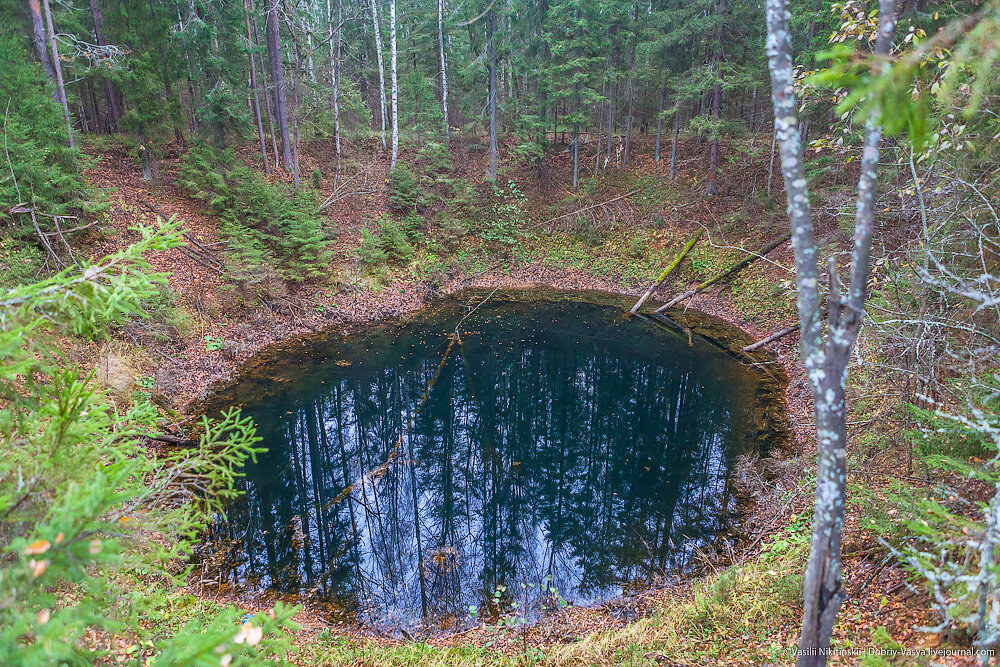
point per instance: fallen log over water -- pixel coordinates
(667, 271)
(728, 273)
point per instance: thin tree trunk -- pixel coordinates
(673, 145)
(395, 85)
(381, 67)
(268, 97)
(114, 97)
(770, 166)
(825, 357)
(713, 153)
(492, 65)
(58, 70)
(444, 72)
(659, 125)
(273, 33)
(336, 74)
(253, 88)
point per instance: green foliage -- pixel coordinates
(390, 242)
(265, 225)
(81, 498)
(505, 226)
(402, 189)
(40, 177)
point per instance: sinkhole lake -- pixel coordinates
(554, 445)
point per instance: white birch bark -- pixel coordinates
(444, 72)
(395, 86)
(825, 357)
(381, 66)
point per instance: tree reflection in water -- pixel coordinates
(559, 440)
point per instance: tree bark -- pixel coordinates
(381, 66)
(57, 68)
(491, 60)
(395, 85)
(41, 43)
(253, 88)
(659, 125)
(115, 105)
(825, 357)
(273, 34)
(673, 145)
(444, 72)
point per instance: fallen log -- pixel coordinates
(728, 273)
(770, 339)
(667, 271)
(581, 210)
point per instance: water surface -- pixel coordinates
(552, 445)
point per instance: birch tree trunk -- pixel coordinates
(444, 72)
(395, 86)
(336, 71)
(272, 30)
(57, 68)
(825, 355)
(491, 63)
(381, 66)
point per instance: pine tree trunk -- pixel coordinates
(58, 70)
(659, 125)
(253, 88)
(395, 85)
(273, 33)
(381, 67)
(115, 106)
(444, 72)
(673, 145)
(492, 65)
(268, 97)
(41, 43)
(713, 153)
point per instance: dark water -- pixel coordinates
(556, 445)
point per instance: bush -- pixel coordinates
(402, 189)
(81, 498)
(390, 242)
(40, 171)
(265, 225)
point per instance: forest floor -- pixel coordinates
(743, 609)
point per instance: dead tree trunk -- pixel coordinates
(825, 355)
(667, 271)
(57, 68)
(723, 275)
